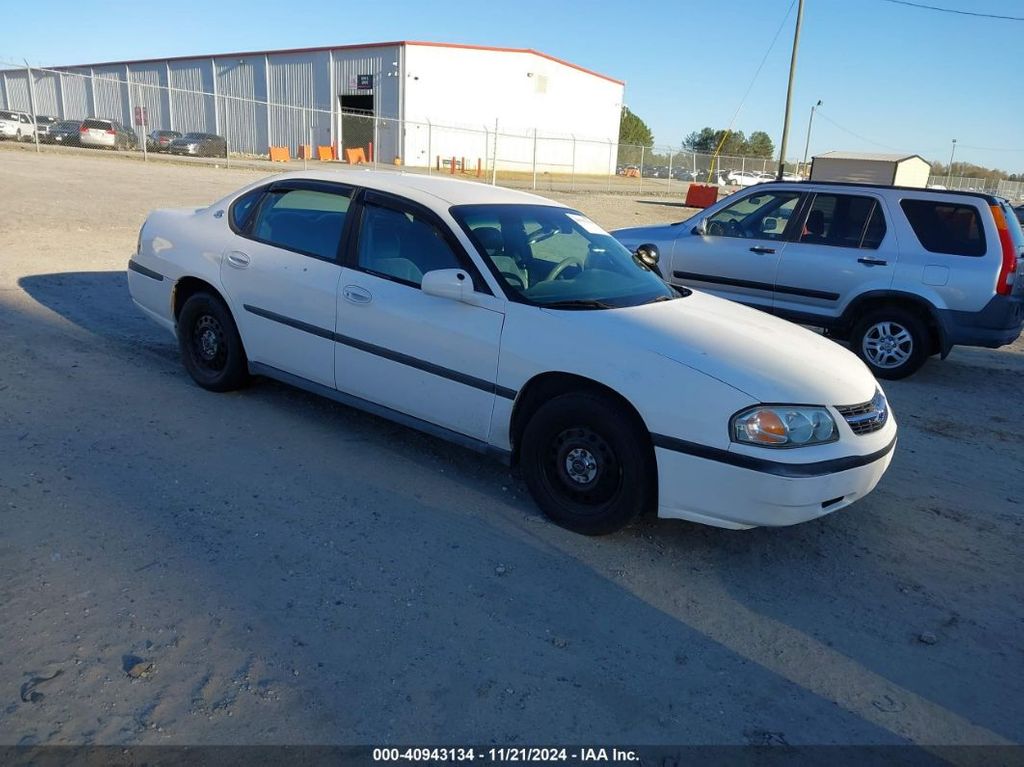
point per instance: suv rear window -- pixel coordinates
(946, 227)
(98, 124)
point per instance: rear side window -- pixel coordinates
(304, 220)
(946, 227)
(844, 221)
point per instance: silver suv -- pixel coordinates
(900, 273)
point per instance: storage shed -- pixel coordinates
(869, 168)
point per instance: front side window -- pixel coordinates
(762, 216)
(552, 256)
(946, 227)
(844, 221)
(307, 221)
(402, 245)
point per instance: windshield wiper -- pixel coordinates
(577, 303)
(661, 298)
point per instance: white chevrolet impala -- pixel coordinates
(514, 325)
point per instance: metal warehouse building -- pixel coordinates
(414, 101)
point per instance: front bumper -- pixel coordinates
(712, 492)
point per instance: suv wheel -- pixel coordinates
(893, 342)
(587, 464)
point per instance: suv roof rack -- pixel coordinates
(990, 198)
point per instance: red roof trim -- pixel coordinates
(395, 43)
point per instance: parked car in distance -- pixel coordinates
(16, 125)
(199, 145)
(43, 125)
(106, 134)
(900, 273)
(160, 140)
(65, 132)
(459, 308)
(745, 178)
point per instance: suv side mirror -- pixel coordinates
(447, 283)
(648, 253)
(701, 228)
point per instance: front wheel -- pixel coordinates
(587, 463)
(894, 343)
(210, 346)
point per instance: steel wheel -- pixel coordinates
(581, 465)
(209, 350)
(887, 345)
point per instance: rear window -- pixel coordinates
(946, 227)
(98, 124)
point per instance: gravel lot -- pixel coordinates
(275, 568)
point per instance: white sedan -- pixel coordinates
(514, 325)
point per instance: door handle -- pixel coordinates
(872, 261)
(356, 294)
(761, 249)
(238, 259)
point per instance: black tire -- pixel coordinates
(588, 464)
(893, 342)
(210, 346)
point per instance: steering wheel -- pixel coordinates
(716, 229)
(564, 264)
(514, 279)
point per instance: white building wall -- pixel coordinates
(525, 92)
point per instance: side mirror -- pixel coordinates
(648, 253)
(701, 228)
(447, 283)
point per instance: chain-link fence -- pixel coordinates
(160, 109)
(1012, 190)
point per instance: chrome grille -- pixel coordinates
(867, 417)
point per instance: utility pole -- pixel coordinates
(810, 122)
(949, 173)
(789, 90)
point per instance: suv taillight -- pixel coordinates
(1004, 283)
(83, 129)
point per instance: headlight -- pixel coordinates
(783, 426)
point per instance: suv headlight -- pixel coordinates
(783, 426)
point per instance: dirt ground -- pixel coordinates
(269, 567)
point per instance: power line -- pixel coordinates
(857, 135)
(955, 10)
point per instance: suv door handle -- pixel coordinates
(872, 261)
(762, 249)
(238, 259)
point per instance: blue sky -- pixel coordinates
(892, 78)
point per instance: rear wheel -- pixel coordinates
(587, 463)
(893, 342)
(210, 346)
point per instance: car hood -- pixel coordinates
(638, 235)
(767, 358)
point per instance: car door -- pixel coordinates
(842, 248)
(734, 252)
(431, 358)
(281, 274)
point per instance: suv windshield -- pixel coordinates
(558, 257)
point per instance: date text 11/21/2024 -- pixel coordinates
(504, 754)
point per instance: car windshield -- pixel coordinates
(557, 257)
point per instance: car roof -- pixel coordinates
(425, 189)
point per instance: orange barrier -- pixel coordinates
(631, 173)
(305, 152)
(325, 153)
(355, 156)
(279, 154)
(701, 196)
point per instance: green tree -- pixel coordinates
(633, 130)
(760, 145)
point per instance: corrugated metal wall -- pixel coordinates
(241, 89)
(284, 99)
